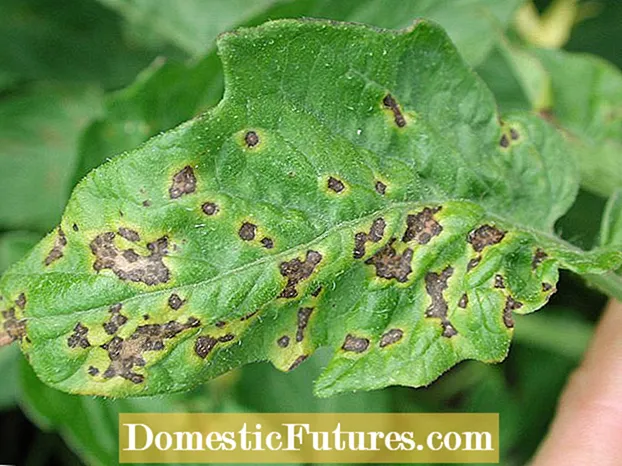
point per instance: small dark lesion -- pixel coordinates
(210, 208)
(184, 182)
(315, 293)
(391, 265)
(283, 342)
(175, 302)
(510, 305)
(398, 117)
(422, 227)
(267, 243)
(204, 346)
(75, 227)
(435, 285)
(15, 328)
(335, 184)
(296, 271)
(380, 187)
(392, 336)
(304, 314)
(129, 234)
(355, 344)
(499, 282)
(484, 236)
(57, 250)
(116, 319)
(464, 301)
(251, 138)
(504, 142)
(20, 302)
(376, 232)
(546, 287)
(93, 371)
(473, 263)
(247, 231)
(78, 338)
(299, 360)
(249, 316)
(538, 258)
(514, 134)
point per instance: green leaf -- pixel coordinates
(611, 228)
(39, 131)
(354, 189)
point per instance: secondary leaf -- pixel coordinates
(354, 189)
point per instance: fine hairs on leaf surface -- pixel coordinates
(355, 188)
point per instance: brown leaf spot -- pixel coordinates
(78, 338)
(510, 305)
(464, 301)
(15, 328)
(209, 208)
(299, 360)
(381, 188)
(539, 257)
(21, 301)
(355, 344)
(514, 134)
(184, 182)
(546, 287)
(435, 285)
(175, 302)
(128, 234)
(93, 371)
(375, 234)
(247, 231)
(283, 342)
(226, 338)
(390, 103)
(220, 324)
(504, 141)
(304, 313)
(335, 185)
(296, 271)
(267, 243)
(484, 236)
(473, 263)
(57, 250)
(422, 227)
(204, 345)
(317, 291)
(499, 283)
(75, 227)
(251, 139)
(127, 264)
(392, 336)
(146, 203)
(249, 315)
(115, 321)
(390, 265)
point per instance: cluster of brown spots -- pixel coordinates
(304, 314)
(251, 139)
(125, 354)
(392, 336)
(15, 328)
(210, 208)
(78, 338)
(335, 185)
(116, 320)
(296, 271)
(484, 236)
(422, 227)
(355, 344)
(129, 234)
(184, 182)
(299, 360)
(247, 231)
(389, 264)
(435, 285)
(499, 282)
(283, 341)
(375, 234)
(510, 305)
(267, 243)
(390, 103)
(175, 302)
(93, 371)
(381, 188)
(21, 301)
(127, 264)
(205, 344)
(546, 287)
(539, 257)
(57, 250)
(473, 263)
(464, 301)
(75, 227)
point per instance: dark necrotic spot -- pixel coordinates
(389, 264)
(435, 285)
(355, 344)
(335, 185)
(283, 342)
(296, 271)
(317, 291)
(381, 188)
(146, 316)
(304, 313)
(464, 301)
(175, 302)
(251, 139)
(510, 305)
(392, 336)
(299, 360)
(15, 328)
(504, 141)
(390, 103)
(226, 338)
(267, 243)
(57, 250)
(184, 182)
(204, 345)
(249, 315)
(129, 234)
(247, 231)
(127, 264)
(484, 236)
(146, 203)
(546, 287)
(209, 208)
(75, 227)
(514, 134)
(93, 371)
(422, 227)
(78, 338)
(21, 301)
(499, 283)
(115, 321)
(539, 257)
(220, 324)
(473, 263)
(375, 234)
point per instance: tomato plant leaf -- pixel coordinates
(355, 189)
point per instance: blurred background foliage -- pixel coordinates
(84, 80)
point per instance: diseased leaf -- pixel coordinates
(354, 189)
